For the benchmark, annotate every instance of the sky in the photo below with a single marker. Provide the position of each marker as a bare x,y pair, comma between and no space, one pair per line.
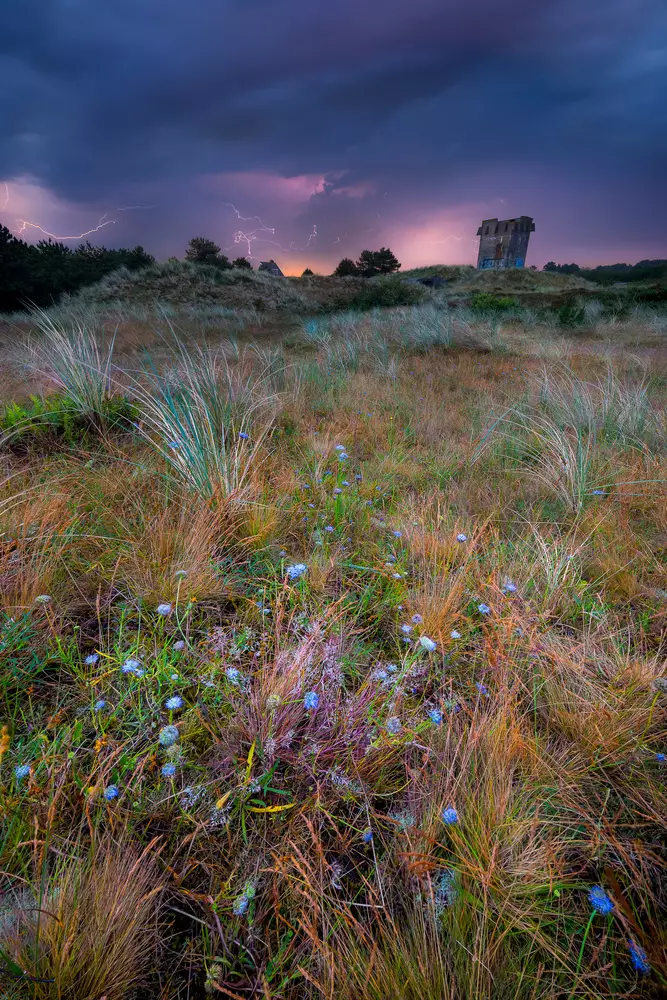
306,131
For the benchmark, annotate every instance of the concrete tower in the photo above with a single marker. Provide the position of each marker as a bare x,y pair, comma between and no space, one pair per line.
504,244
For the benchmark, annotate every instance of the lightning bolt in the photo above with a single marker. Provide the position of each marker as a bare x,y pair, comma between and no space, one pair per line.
251,236
25,224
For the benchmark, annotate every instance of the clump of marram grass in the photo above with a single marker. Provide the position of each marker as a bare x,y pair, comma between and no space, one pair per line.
208,421
75,359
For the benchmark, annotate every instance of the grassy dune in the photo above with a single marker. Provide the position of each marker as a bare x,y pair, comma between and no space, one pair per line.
333,654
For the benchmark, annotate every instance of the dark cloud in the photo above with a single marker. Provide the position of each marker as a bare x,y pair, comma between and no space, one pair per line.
432,104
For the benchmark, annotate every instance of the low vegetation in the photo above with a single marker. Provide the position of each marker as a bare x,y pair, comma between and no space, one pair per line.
333,644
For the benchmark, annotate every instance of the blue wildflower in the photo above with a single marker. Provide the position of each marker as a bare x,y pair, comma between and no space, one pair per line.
340,447
367,835
240,906
99,705
509,587
482,688
435,715
174,444
169,770
599,900
449,816
173,704
416,619
484,609
164,609
345,483
342,455
329,528
598,493
638,958
311,700
461,538
233,675
21,771
179,645
91,659
294,572
660,757
397,534
337,490
130,666
243,435
454,634
393,725
428,644
110,793
168,736
407,629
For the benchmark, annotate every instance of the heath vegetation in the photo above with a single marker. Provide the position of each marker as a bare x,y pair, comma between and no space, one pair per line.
333,640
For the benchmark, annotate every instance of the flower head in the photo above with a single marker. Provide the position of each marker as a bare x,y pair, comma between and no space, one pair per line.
660,757
91,659
638,958
311,700
407,629
397,534
367,835
110,793
273,702
428,644
482,688
393,725
99,705
233,675
173,704
21,771
179,645
43,599
484,609
164,609
454,634
295,571
435,715
337,490
168,736
449,816
243,435
240,906
329,528
131,666
340,447
416,619
180,574
169,770
508,586
599,900
461,538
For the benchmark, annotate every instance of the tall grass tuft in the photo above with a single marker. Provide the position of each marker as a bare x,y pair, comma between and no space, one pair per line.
76,360
207,419
91,931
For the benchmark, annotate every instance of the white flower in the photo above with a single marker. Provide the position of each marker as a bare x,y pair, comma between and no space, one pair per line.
427,643
454,634
43,599
164,609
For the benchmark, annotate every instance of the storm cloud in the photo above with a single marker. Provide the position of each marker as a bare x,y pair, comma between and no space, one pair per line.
340,126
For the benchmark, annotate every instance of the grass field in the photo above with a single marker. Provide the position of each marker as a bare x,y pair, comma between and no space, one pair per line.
333,652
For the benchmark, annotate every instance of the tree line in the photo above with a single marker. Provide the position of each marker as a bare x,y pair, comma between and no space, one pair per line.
607,274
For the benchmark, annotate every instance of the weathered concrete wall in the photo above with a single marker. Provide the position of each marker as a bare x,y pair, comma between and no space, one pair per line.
504,243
